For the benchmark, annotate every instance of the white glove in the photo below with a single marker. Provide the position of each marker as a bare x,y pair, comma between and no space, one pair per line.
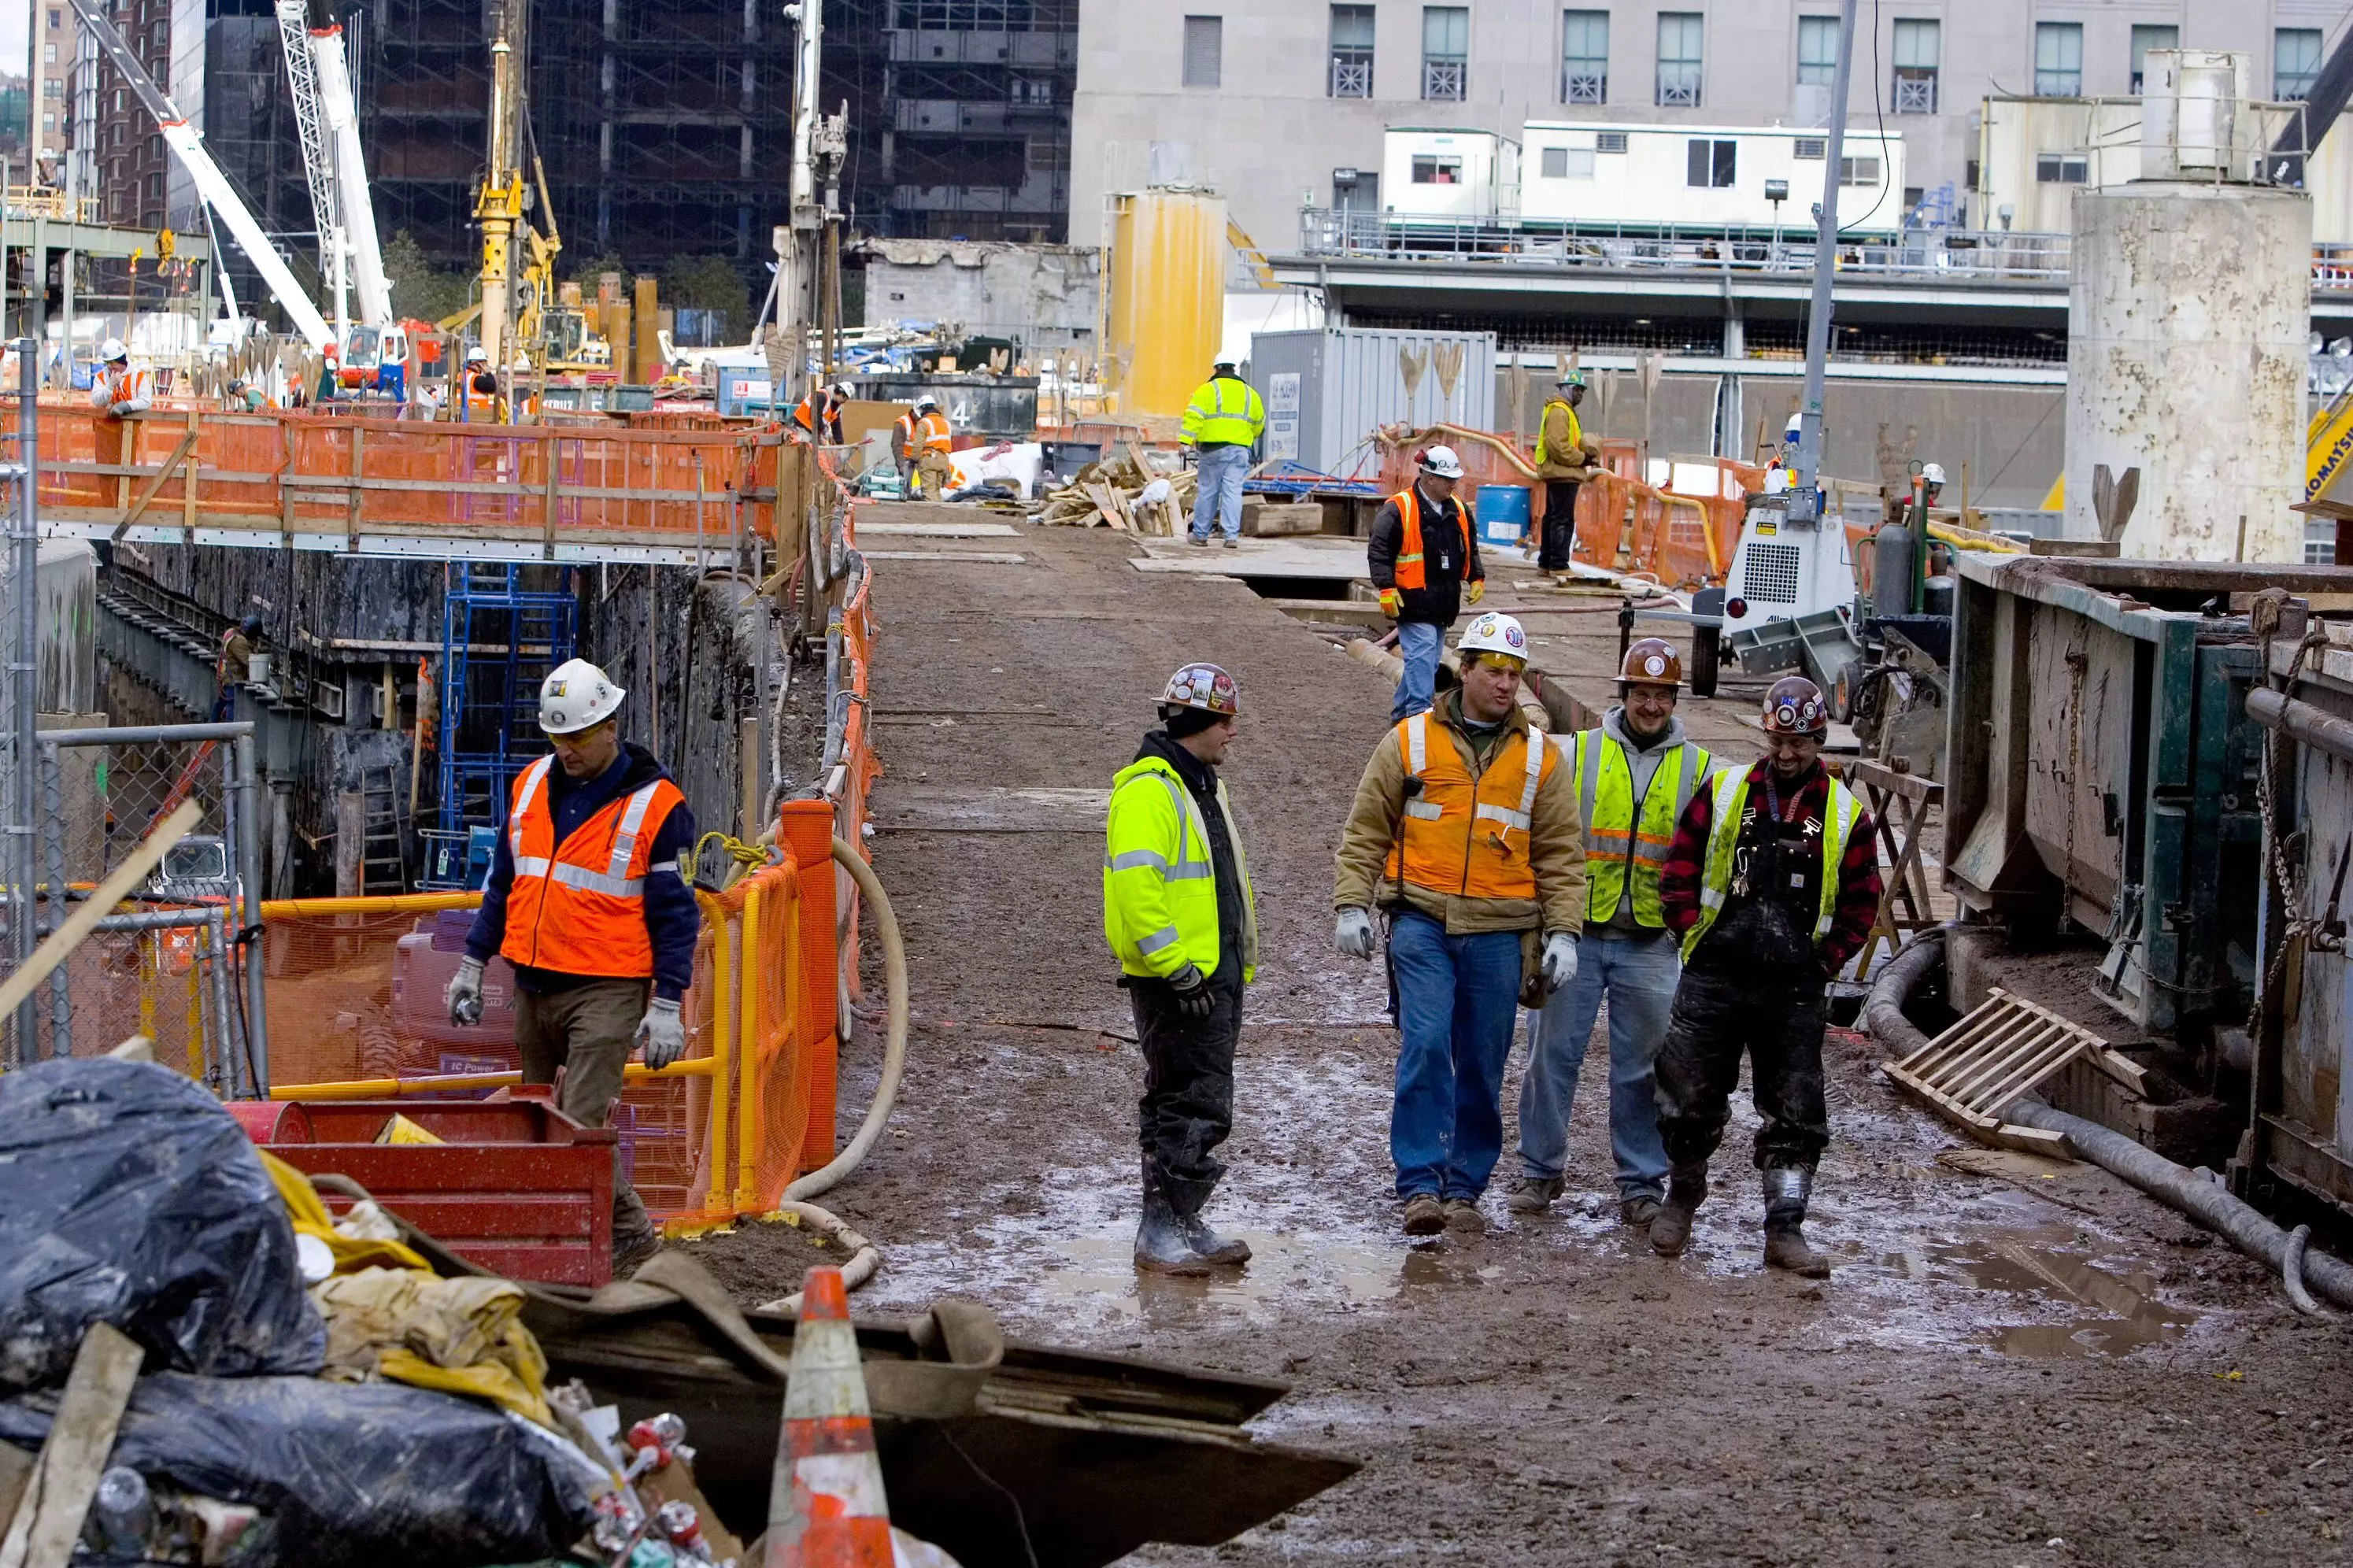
463,995
1559,961
661,1033
1354,936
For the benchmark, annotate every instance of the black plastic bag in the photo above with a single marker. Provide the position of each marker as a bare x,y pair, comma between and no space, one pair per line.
128,1196
369,1473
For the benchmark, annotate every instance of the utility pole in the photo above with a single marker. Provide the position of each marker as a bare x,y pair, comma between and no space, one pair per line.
1805,487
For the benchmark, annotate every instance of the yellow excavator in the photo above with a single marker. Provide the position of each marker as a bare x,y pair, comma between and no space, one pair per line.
554,335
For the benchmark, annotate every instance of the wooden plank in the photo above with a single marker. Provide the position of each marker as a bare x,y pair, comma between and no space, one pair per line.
2123,1068
81,1435
147,493
119,885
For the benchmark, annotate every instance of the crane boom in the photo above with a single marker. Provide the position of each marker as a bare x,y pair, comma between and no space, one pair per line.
211,184
318,158
351,176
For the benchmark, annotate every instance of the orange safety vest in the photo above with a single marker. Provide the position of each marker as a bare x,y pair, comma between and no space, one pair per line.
804,416
1466,836
904,446
932,433
579,908
1409,569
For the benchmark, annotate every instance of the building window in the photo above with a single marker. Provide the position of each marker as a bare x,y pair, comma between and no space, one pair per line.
1816,50
1351,51
57,18
2059,59
2295,62
1859,171
2062,168
1585,57
50,54
1710,166
1434,169
1204,46
1679,59
52,86
1445,52
1919,47
2147,37
1568,162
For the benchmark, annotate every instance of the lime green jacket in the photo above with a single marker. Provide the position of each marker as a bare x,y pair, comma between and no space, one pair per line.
1160,889
1225,408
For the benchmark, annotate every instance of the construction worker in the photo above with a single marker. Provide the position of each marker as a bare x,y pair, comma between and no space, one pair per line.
120,388
1223,422
1179,914
1565,460
234,667
1634,774
1465,829
1772,884
933,441
816,418
588,900
902,449
245,397
1423,557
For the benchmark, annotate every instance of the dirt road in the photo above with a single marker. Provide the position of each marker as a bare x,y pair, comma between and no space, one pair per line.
2031,1366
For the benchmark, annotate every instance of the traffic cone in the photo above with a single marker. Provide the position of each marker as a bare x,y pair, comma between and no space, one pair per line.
825,1508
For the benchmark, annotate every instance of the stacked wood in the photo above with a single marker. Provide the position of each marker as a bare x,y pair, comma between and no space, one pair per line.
1109,494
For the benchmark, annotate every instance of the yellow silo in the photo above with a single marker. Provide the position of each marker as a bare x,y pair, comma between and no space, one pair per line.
1166,309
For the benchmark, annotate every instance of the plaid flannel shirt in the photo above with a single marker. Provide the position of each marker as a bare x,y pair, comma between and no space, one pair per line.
1858,894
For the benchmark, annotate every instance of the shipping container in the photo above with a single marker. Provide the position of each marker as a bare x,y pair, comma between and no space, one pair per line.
1004,408
1326,392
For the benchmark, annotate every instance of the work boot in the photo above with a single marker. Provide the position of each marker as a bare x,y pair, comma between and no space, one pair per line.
1232,543
1638,1211
1786,1189
1463,1218
1207,1245
1201,541
1424,1215
1161,1247
1534,1195
1671,1227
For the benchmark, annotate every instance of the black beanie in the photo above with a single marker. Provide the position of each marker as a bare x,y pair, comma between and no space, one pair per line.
1181,721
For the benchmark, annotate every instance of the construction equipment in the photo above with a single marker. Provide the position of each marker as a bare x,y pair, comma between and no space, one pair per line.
498,202
188,146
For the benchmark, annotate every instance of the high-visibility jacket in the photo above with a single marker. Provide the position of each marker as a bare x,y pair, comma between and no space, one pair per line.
1621,844
903,437
580,907
1465,835
933,434
1159,884
1409,568
1729,798
1225,409
134,384
482,408
1576,431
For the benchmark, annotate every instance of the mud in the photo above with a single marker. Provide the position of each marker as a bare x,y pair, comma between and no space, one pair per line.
2015,1361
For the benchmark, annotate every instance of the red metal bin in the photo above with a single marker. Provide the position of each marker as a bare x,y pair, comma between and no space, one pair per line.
515,1185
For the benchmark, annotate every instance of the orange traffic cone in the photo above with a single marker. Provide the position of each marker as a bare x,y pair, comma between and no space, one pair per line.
825,1508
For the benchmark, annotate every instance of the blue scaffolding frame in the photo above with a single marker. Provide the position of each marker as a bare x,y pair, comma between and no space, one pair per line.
490,701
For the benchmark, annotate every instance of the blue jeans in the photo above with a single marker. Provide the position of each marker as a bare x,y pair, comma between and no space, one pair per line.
1419,643
1639,978
1457,997
1220,472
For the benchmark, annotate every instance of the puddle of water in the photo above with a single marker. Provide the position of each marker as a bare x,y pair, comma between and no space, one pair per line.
2116,1313
1283,1269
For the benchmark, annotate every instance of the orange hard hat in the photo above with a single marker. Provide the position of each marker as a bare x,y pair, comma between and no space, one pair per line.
1651,661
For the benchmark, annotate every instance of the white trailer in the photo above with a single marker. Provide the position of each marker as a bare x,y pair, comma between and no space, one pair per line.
1449,173
1701,176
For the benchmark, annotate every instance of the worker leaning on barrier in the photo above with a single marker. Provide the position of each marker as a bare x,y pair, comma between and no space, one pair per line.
1565,459
1179,914
588,900
120,388
818,416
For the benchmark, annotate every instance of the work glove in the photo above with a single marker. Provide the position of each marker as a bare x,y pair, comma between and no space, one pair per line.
1392,603
1354,935
1559,961
661,1034
120,409
1478,589
463,995
1191,989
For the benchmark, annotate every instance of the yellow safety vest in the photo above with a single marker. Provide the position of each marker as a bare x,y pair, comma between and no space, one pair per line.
1730,796
1206,417
1159,884
1614,840
1576,430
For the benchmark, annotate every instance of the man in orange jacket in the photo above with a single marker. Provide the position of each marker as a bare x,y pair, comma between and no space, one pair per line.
1423,558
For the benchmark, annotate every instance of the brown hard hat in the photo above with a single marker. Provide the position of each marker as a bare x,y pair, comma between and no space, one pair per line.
1651,661
1795,707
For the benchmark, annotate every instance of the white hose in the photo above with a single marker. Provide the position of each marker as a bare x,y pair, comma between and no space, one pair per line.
865,1259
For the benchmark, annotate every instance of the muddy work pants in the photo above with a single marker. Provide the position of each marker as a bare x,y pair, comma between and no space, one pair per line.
1559,529
1187,1105
1778,1021
588,1031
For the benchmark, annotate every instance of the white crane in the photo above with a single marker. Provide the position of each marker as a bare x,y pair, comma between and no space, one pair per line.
351,254
213,186
318,158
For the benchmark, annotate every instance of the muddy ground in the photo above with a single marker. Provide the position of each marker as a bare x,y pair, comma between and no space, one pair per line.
2015,1363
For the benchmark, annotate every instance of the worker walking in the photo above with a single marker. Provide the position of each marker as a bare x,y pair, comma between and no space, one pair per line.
1772,882
588,900
1423,559
1465,829
1634,774
120,388
1223,422
1179,914
1565,460
933,440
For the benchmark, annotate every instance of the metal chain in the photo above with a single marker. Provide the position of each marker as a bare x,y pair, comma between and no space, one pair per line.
2289,879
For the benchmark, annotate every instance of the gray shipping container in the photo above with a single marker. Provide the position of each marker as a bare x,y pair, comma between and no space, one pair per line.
1326,391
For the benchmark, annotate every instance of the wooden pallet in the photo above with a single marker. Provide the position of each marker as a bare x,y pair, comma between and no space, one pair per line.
1980,1066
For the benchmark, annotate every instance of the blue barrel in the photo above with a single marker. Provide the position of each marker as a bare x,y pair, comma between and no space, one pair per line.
1502,513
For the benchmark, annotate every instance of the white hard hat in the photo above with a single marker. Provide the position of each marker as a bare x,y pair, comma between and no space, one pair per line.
112,349
477,355
1441,461
1796,421
1934,473
926,401
574,696
1494,632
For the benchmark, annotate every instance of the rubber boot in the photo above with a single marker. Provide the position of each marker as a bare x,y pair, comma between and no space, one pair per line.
1226,1251
1786,1189
1671,1227
1160,1244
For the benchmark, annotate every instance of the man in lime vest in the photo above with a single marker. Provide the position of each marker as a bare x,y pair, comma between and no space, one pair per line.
1464,828
1223,422
1772,882
1634,775
1565,460
1423,558
1179,914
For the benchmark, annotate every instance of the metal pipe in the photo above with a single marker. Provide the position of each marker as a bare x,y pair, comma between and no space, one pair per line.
247,811
150,920
60,985
24,671
1804,491
223,1005
147,735
2314,727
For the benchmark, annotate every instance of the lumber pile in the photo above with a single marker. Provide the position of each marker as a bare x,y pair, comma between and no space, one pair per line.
1134,490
